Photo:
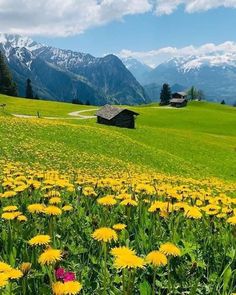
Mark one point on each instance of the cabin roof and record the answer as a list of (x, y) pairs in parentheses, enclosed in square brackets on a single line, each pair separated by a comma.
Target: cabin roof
[(177, 100), (182, 93), (108, 112)]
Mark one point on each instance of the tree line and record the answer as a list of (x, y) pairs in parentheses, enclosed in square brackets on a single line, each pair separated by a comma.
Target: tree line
[(192, 94)]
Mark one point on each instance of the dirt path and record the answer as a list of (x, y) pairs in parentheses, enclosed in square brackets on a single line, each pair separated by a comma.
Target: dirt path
[(74, 115)]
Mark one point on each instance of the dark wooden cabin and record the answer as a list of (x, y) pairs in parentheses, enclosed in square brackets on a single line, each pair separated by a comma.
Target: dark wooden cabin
[(179, 100), (115, 116)]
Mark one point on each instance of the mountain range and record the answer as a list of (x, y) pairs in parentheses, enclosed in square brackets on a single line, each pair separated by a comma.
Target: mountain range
[(65, 75), (214, 74)]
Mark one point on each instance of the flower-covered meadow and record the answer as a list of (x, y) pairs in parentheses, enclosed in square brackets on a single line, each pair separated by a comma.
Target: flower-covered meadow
[(129, 233)]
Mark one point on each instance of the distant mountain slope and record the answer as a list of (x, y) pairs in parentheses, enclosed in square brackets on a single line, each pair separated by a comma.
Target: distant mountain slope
[(65, 75), (214, 73), (138, 69)]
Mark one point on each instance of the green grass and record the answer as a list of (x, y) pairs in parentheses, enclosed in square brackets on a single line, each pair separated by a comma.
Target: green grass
[(196, 141)]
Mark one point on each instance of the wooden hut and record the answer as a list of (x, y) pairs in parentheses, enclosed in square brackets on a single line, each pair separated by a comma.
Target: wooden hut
[(115, 116), (179, 100)]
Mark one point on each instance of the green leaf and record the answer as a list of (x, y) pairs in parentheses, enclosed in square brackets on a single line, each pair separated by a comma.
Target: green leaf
[(145, 288)]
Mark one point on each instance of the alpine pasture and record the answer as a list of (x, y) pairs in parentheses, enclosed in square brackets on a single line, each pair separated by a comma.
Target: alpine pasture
[(93, 209)]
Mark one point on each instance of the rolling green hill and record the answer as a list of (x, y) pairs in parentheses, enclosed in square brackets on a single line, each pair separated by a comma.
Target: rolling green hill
[(196, 141)]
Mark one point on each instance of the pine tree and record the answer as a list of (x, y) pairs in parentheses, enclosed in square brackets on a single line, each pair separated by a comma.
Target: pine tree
[(192, 93), (223, 101), (165, 96), (7, 85), (29, 90)]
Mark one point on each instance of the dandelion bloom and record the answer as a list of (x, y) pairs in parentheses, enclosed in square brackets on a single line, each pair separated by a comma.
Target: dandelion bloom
[(67, 208), (105, 234), (170, 249), (52, 210), (25, 267), (55, 200), (9, 194), (67, 288), (156, 258), (14, 274), (35, 208), (10, 215), (129, 202), (40, 240), (119, 226), (119, 251), (232, 220), (50, 256), (129, 261), (22, 218), (107, 201), (4, 267), (3, 280), (193, 212), (9, 208)]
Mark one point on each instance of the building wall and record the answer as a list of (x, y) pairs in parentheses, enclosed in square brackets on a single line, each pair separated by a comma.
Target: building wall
[(121, 120)]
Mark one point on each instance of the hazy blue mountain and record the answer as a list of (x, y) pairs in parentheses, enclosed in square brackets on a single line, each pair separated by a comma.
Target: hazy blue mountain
[(215, 75), (65, 75), (138, 69)]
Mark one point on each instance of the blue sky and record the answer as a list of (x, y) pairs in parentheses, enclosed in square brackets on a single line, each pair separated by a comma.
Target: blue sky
[(146, 32), (149, 30)]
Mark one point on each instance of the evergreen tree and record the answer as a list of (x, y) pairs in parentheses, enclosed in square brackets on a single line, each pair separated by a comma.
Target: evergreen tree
[(192, 93), (200, 95), (165, 96), (223, 101), (7, 85), (76, 101), (29, 90), (88, 103)]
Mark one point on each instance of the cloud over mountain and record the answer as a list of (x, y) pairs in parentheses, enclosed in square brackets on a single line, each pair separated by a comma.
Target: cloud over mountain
[(155, 57), (70, 17)]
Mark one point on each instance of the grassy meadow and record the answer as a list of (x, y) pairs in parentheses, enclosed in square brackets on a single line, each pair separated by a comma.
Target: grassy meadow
[(92, 209)]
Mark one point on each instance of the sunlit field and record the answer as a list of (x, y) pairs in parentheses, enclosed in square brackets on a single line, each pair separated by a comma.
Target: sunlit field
[(91, 209)]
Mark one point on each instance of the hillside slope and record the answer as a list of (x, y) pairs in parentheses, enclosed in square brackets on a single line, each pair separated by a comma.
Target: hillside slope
[(192, 142)]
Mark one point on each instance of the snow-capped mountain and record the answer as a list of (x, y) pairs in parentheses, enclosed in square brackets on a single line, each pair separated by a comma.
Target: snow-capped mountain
[(67, 75), (214, 73)]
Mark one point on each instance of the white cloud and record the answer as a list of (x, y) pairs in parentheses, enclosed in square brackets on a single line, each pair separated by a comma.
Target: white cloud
[(169, 6), (64, 17), (155, 57), (70, 17)]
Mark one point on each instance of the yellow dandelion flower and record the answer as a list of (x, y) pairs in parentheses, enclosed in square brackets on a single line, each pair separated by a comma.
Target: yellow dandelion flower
[(22, 218), (52, 210), (3, 280), (107, 201), (72, 287), (25, 267), (9, 194), (36, 208), (170, 249), (232, 220), (192, 212), (119, 251), (50, 256), (14, 274), (8, 215), (119, 226), (67, 208), (58, 288), (55, 200), (4, 267), (129, 261), (156, 258), (105, 234), (9, 208), (40, 240), (129, 202)]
